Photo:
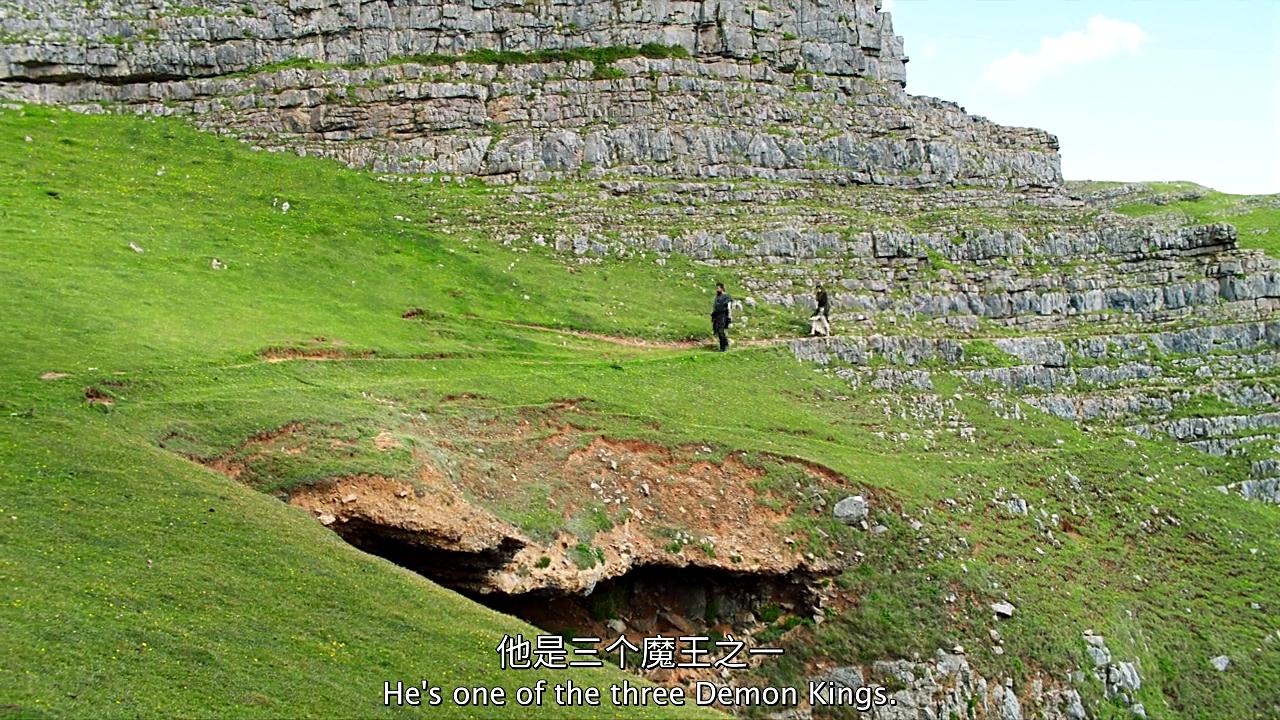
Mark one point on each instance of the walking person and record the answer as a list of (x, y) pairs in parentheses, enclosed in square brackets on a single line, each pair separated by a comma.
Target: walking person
[(720, 318), (820, 323)]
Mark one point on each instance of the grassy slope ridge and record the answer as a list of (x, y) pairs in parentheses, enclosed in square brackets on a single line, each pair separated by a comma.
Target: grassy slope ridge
[(138, 583), (248, 605), (1257, 217)]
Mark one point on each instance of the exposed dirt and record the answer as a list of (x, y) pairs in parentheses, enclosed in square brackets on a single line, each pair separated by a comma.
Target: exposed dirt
[(537, 514), (233, 462), (628, 341), (461, 397), (432, 515), (95, 395), (287, 354), (701, 516), (54, 376), (386, 441), (625, 341), (578, 508)]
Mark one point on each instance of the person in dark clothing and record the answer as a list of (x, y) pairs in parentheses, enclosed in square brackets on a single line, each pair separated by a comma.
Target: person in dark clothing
[(824, 303), (720, 319)]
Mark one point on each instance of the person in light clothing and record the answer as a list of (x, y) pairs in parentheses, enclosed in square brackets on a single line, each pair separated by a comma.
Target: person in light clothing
[(820, 323)]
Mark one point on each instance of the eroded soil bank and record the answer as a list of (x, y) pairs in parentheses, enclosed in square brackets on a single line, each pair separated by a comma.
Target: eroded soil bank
[(541, 515)]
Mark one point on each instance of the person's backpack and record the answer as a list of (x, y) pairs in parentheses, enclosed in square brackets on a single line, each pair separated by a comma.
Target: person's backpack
[(728, 313)]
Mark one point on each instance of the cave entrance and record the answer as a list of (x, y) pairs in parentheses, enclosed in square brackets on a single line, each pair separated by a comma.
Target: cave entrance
[(665, 600), (648, 600)]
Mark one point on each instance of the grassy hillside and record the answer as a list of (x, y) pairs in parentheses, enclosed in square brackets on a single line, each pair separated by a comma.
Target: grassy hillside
[(139, 583), (1257, 217)]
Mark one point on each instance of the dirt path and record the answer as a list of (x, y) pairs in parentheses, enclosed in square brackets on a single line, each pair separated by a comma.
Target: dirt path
[(276, 355), (634, 342)]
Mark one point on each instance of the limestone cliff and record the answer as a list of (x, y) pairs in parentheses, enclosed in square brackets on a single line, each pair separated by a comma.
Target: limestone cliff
[(805, 90), (134, 40)]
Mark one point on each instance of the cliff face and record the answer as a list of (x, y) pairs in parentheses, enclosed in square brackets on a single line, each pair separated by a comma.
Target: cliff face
[(653, 118), (805, 90), (131, 40)]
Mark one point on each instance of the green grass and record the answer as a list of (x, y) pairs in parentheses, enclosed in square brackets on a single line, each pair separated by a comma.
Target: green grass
[(984, 353), (337, 265), (598, 55), (299, 63), (1204, 406), (189, 11), (139, 583), (1256, 217)]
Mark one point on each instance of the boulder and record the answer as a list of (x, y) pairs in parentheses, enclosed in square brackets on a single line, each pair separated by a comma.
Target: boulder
[(852, 510), (1003, 609)]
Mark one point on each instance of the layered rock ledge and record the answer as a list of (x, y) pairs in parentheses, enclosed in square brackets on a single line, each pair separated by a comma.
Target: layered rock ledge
[(800, 90), (131, 40)]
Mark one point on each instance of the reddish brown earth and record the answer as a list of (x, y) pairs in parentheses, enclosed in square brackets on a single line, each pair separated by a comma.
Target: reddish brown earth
[(537, 513)]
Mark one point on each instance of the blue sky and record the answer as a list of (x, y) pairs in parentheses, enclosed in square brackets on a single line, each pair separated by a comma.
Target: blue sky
[(1134, 89)]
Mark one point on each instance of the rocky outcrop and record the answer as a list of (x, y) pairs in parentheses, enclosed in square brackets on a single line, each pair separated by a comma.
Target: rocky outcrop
[(647, 117), (947, 687), (1210, 387), (1114, 271), (1040, 267), (1120, 679), (1264, 488), (131, 40), (1045, 362), (800, 90)]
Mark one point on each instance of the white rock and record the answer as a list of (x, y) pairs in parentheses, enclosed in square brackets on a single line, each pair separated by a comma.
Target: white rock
[(851, 510)]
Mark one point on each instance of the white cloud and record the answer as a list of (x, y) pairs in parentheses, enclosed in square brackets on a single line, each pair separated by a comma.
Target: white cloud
[(887, 5), (1103, 38)]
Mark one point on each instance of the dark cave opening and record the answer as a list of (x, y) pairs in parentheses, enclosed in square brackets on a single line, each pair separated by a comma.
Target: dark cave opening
[(679, 600)]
